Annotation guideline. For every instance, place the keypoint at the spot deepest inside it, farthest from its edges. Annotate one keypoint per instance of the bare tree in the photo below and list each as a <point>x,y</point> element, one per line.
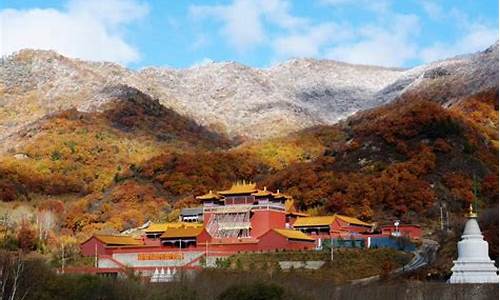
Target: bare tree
<point>46,221</point>
<point>11,272</point>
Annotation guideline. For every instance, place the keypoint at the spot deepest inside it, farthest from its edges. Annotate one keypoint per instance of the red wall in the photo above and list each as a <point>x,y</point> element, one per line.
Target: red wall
<point>206,218</point>
<point>273,240</point>
<point>88,248</point>
<point>202,238</point>
<point>264,220</point>
<point>269,241</point>
<point>232,247</point>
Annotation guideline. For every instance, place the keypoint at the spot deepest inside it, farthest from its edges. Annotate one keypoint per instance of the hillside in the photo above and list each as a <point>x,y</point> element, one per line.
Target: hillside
<point>79,152</point>
<point>102,148</point>
<point>234,99</point>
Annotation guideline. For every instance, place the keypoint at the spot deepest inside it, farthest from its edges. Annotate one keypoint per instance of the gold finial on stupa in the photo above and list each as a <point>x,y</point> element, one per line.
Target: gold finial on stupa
<point>471,214</point>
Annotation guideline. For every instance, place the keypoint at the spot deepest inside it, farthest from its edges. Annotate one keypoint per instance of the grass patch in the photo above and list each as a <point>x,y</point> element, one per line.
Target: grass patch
<point>347,264</point>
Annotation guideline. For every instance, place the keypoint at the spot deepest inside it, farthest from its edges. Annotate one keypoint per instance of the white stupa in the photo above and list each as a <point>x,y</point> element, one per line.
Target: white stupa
<point>473,264</point>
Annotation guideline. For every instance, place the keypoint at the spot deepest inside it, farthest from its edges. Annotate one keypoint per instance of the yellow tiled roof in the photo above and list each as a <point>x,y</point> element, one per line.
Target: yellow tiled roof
<point>240,188</point>
<point>314,221</point>
<point>182,232</point>
<point>352,220</point>
<point>293,234</point>
<point>209,196</point>
<point>262,193</point>
<point>118,240</point>
<point>327,220</point>
<point>162,227</point>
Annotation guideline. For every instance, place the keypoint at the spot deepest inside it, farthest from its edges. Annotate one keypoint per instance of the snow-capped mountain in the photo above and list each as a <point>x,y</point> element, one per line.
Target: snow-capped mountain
<point>233,98</point>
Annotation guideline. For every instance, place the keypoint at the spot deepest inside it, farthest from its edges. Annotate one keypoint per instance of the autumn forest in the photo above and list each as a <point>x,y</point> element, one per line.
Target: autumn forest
<point>77,173</point>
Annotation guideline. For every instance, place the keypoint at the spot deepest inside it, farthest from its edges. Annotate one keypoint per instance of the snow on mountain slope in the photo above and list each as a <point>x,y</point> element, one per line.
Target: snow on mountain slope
<point>230,97</point>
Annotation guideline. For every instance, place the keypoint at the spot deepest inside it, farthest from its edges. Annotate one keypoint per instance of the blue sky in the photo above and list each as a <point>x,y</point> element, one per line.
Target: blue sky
<point>139,33</point>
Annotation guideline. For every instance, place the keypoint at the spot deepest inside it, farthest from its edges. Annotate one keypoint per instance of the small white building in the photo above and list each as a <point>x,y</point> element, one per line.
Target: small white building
<point>192,214</point>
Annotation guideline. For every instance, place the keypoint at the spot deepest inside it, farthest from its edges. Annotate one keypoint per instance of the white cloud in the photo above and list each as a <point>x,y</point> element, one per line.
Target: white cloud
<point>244,21</point>
<point>87,29</point>
<point>388,38</point>
<point>381,45</point>
<point>310,42</point>
<point>476,37</point>
<point>246,25</point>
<point>242,24</point>
<point>379,6</point>
<point>278,12</point>
<point>432,9</point>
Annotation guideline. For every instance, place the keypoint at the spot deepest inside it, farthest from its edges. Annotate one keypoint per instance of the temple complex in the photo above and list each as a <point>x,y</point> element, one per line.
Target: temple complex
<point>242,218</point>
<point>473,264</point>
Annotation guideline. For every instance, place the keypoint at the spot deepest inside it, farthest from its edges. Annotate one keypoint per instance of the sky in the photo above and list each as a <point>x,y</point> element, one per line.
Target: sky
<point>258,33</point>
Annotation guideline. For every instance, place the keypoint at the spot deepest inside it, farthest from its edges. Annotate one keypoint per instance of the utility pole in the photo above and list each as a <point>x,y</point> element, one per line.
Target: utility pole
<point>206,253</point>
<point>441,216</point>
<point>62,258</point>
<point>331,247</point>
<point>96,261</point>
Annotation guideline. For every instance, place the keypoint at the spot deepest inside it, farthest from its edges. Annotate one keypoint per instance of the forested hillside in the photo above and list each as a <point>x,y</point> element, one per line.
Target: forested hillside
<point>71,173</point>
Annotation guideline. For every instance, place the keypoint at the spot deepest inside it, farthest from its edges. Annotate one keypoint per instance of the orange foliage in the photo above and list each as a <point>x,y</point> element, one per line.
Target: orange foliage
<point>460,186</point>
<point>126,206</point>
<point>397,121</point>
<point>53,205</point>
<point>197,172</point>
<point>26,237</point>
<point>441,145</point>
<point>489,188</point>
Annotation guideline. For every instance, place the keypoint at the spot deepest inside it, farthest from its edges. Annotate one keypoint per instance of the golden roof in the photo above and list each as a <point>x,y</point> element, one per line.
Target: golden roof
<point>327,220</point>
<point>182,232</point>
<point>293,234</point>
<point>162,227</point>
<point>209,196</point>
<point>262,193</point>
<point>118,240</point>
<point>314,221</point>
<point>241,188</point>
<point>352,220</point>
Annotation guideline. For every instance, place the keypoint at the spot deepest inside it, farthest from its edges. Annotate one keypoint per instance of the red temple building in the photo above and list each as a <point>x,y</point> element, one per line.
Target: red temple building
<point>333,226</point>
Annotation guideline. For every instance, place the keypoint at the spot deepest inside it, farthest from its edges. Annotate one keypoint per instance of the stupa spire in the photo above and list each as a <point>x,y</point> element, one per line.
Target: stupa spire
<point>471,214</point>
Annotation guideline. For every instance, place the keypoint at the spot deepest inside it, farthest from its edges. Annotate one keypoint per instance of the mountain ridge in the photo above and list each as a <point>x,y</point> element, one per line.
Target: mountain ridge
<point>229,97</point>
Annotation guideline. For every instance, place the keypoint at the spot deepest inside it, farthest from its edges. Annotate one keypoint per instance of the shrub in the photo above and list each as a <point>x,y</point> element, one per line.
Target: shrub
<point>256,291</point>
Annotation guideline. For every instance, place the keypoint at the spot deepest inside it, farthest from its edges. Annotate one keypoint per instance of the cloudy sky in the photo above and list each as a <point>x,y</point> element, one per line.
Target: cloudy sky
<point>140,33</point>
